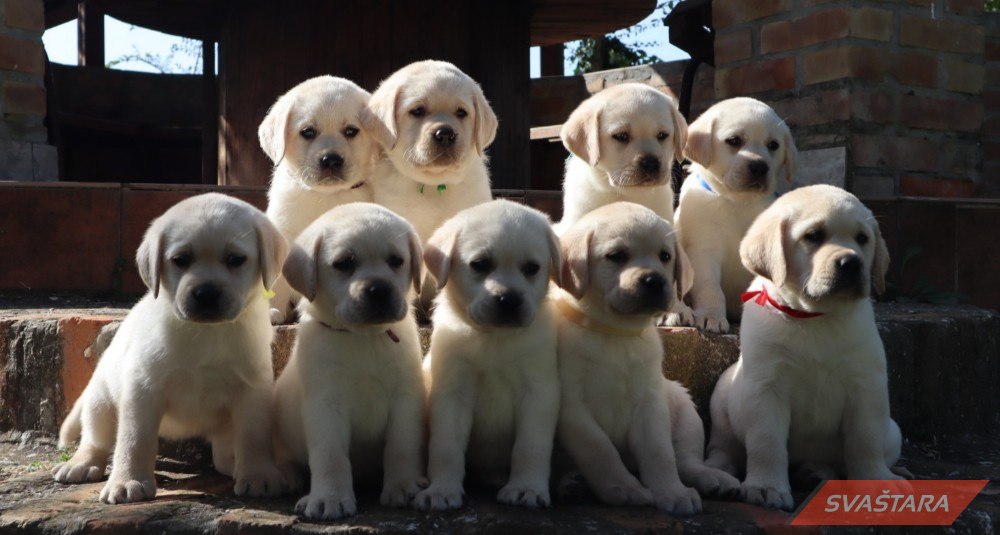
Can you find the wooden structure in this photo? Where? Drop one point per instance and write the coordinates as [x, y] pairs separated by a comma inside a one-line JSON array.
[[266, 47]]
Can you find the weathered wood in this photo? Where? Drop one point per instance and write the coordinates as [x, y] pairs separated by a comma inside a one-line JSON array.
[[90, 35], [210, 114], [552, 61]]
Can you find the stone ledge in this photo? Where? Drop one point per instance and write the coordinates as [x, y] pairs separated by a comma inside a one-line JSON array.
[[944, 364]]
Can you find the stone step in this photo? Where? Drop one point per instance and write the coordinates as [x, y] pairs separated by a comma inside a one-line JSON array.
[[944, 364]]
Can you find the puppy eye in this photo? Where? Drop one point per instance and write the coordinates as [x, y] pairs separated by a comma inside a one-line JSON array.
[[662, 135], [664, 256], [308, 132], [773, 145], [617, 257], [530, 269], [394, 261], [419, 111], [350, 131], [861, 238], [481, 265], [461, 113], [621, 136], [235, 260], [815, 236], [734, 141], [182, 261], [345, 264]]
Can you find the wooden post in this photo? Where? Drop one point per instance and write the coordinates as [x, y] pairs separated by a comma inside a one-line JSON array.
[[552, 60], [210, 111], [90, 35]]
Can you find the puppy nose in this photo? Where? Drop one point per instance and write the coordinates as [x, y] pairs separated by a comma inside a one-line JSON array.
[[206, 294], [653, 281], [650, 164], [758, 169], [331, 161], [508, 301], [445, 136], [849, 264], [378, 291]]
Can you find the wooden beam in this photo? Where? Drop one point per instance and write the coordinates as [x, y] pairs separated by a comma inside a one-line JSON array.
[[90, 35], [210, 111], [552, 60]]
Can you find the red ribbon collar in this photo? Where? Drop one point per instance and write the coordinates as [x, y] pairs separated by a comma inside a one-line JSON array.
[[762, 298]]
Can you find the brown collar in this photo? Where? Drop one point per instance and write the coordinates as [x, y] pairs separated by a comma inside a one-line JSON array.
[[577, 316], [388, 332]]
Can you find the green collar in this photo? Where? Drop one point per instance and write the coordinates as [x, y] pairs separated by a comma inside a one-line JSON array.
[[440, 188]]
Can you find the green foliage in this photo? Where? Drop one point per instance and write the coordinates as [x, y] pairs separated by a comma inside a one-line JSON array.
[[612, 51], [992, 5], [189, 49], [922, 291]]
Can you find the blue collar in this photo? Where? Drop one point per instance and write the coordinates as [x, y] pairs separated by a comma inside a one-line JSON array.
[[702, 182]]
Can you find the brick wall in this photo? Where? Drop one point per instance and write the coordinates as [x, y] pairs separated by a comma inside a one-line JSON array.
[[24, 150], [991, 104], [885, 98]]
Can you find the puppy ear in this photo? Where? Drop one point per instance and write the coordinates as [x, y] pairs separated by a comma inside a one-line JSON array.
[[880, 265], [576, 261], [271, 132], [700, 135], [439, 251], [683, 272], [485, 126], [581, 133], [680, 132], [379, 117], [791, 156], [149, 257], [763, 249], [555, 253], [272, 248], [416, 260], [301, 268]]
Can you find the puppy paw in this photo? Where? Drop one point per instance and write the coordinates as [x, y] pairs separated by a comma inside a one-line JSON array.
[[316, 506], [680, 316], [295, 480], [439, 498], [525, 494], [679, 500], [767, 496], [902, 472], [712, 324], [128, 490], [625, 494], [400, 493], [74, 472], [277, 317], [715, 483], [264, 482]]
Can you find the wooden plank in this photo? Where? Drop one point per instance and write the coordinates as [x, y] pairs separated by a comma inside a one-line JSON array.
[[552, 61], [90, 35], [210, 115]]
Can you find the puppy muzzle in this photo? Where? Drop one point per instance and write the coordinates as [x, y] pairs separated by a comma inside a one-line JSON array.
[[647, 294], [504, 309], [848, 277], [379, 302], [207, 303]]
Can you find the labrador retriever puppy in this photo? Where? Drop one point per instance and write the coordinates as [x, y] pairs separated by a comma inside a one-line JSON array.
[[322, 159], [434, 125], [191, 359], [350, 403], [623, 142], [739, 149], [810, 388], [619, 415], [494, 390]]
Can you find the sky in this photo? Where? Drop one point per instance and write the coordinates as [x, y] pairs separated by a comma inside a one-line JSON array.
[[123, 39]]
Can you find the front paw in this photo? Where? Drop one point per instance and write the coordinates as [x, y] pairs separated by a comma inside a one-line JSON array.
[[400, 493], [680, 316], [767, 496], [711, 323], [714, 482], [319, 506], [525, 494], [679, 500], [439, 497], [126, 490], [71, 472], [277, 316], [262, 482], [624, 494]]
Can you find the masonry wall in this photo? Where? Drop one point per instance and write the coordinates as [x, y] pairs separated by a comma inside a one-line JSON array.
[[885, 97], [24, 150]]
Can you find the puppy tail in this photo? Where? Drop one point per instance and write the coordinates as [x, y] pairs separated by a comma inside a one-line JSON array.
[[72, 425]]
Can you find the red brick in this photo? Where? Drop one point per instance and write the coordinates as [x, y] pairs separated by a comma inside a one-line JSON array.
[[873, 106], [913, 67], [818, 27], [815, 108], [938, 34], [732, 46], [963, 77], [993, 74], [22, 55], [941, 114], [23, 98], [755, 77], [77, 333], [844, 62], [727, 13], [25, 14], [912, 186], [870, 23], [909, 153], [872, 186], [965, 7], [992, 50]]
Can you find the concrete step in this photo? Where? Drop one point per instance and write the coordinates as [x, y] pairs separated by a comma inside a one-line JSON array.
[[944, 364]]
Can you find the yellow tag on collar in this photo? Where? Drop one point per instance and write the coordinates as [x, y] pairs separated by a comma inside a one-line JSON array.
[[268, 294]]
